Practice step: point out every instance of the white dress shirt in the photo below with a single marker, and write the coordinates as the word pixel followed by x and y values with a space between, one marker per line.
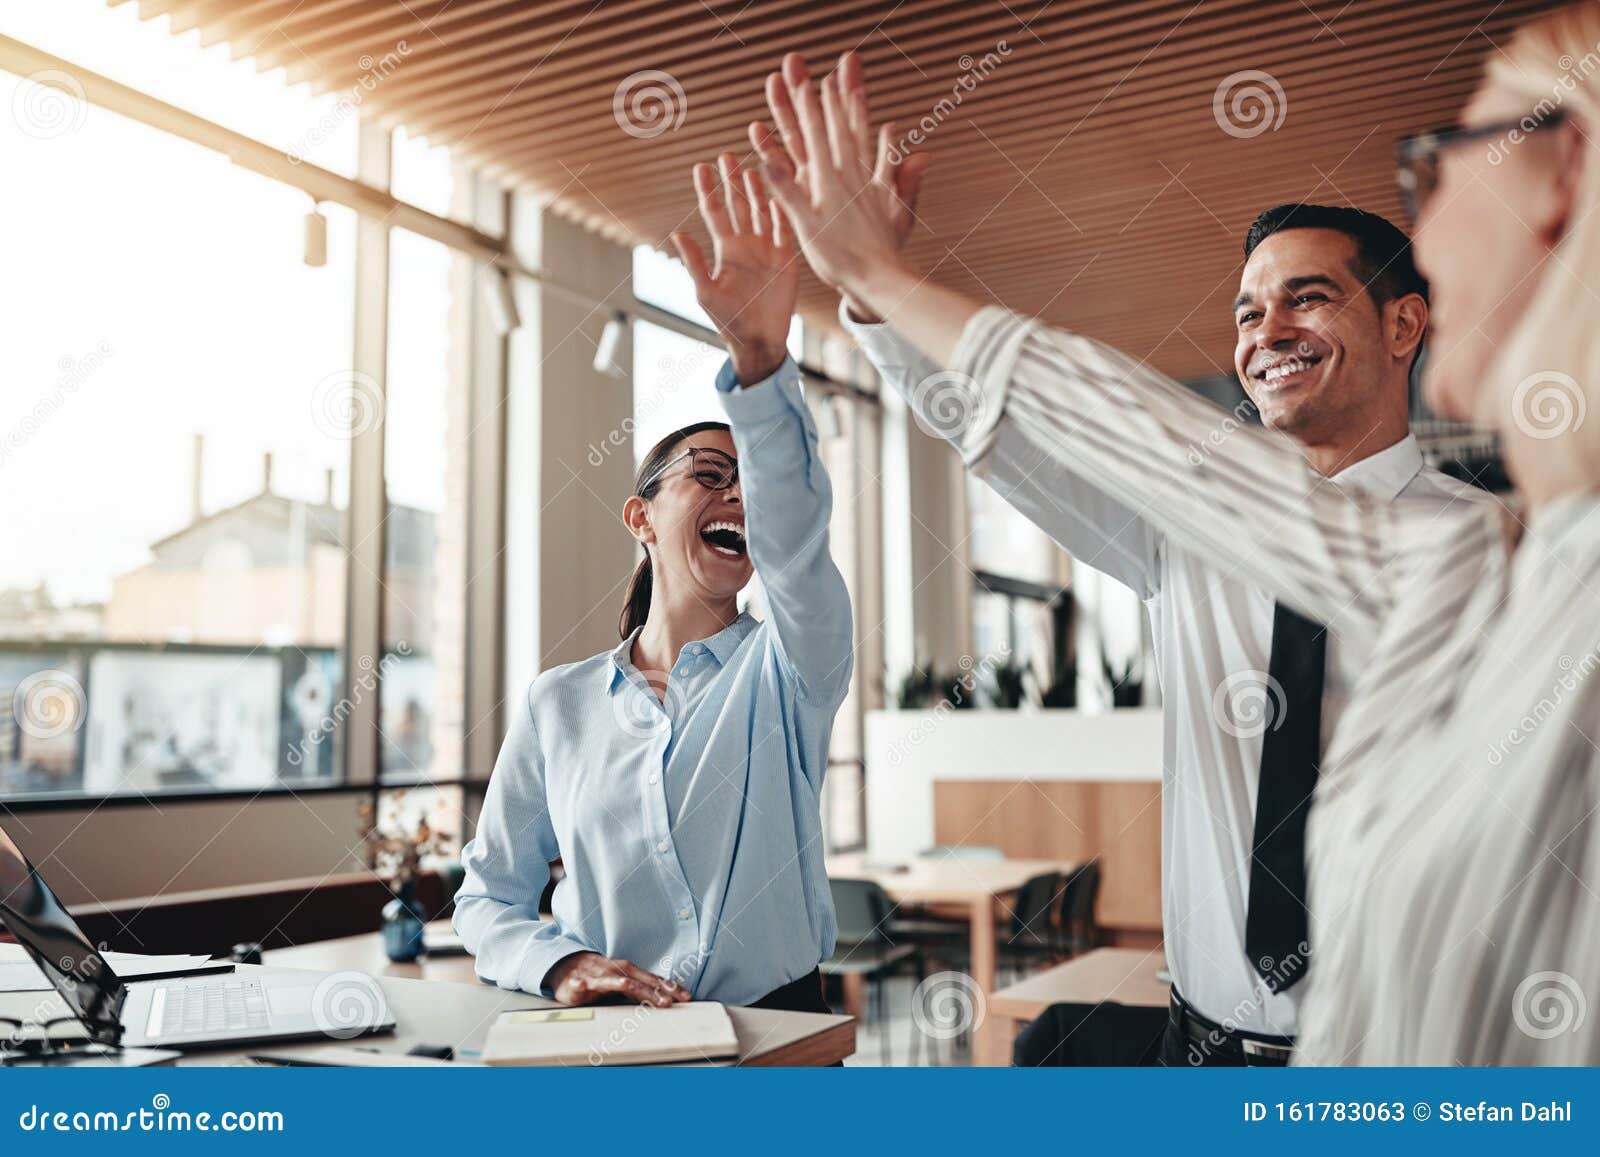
pixel 1453 846
pixel 1212 629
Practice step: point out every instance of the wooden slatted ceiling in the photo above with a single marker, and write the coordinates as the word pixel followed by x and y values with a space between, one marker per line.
pixel 1085 178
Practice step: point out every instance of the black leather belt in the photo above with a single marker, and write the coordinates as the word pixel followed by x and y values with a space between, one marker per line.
pixel 1218 1045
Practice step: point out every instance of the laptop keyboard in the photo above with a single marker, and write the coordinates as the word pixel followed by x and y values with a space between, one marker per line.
pixel 225 1005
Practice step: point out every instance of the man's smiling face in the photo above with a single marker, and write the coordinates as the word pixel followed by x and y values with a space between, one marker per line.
pixel 1312 350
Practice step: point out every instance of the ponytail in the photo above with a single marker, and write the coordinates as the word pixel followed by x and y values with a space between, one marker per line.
pixel 645 484
pixel 636 609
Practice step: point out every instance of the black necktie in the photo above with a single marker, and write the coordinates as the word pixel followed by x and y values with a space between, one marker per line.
pixel 1275 926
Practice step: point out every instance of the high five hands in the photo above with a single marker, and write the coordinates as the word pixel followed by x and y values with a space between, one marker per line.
pixel 847 208
pixel 852 204
pixel 750 293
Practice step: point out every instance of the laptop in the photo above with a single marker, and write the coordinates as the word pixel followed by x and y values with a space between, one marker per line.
pixel 231 1009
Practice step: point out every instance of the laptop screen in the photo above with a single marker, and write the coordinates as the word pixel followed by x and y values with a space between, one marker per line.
pixel 30 911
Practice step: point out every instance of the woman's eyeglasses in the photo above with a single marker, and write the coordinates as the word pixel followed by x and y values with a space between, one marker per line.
pixel 711 468
pixel 1418 155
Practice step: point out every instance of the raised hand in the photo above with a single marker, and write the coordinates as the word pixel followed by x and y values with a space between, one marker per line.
pixel 894 172
pixel 585 977
pixel 850 218
pixel 750 293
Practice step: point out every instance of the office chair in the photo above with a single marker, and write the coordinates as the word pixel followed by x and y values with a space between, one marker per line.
pixel 1035 932
pixel 866 947
pixel 1078 931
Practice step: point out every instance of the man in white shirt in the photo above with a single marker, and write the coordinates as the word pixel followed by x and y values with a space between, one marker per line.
pixel 1330 317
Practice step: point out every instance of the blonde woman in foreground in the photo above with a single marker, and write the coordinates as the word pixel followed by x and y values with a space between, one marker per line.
pixel 1455 842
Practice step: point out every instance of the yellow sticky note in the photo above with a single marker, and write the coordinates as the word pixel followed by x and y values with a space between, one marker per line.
pixel 551 1015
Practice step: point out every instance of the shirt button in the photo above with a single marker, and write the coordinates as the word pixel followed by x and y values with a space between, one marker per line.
pixel 685 913
pixel 663 846
pixel 655 778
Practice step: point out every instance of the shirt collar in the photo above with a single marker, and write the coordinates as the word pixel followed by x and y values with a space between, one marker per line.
pixel 1384 474
pixel 721 647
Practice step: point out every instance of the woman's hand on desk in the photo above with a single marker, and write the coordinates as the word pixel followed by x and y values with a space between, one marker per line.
pixel 585 977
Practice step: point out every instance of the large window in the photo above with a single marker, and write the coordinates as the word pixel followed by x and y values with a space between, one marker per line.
pixel 422 689
pixel 176 441
pixel 172 592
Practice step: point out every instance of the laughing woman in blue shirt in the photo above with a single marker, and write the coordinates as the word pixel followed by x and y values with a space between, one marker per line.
pixel 678 777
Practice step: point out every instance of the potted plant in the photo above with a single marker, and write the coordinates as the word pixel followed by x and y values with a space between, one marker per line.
pixel 1126 682
pixel 396 846
pixel 1006 685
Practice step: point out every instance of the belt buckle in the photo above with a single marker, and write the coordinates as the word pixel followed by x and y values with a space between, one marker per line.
pixel 1262 1050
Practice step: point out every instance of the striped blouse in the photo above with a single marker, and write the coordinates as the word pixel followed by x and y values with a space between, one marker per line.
pixel 1454 845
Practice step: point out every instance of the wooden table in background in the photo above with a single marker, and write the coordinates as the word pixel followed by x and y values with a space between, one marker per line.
pixel 1124 975
pixel 980 886
pixel 439 1000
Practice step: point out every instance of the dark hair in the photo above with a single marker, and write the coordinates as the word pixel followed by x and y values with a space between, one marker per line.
pixel 636 608
pixel 1383 251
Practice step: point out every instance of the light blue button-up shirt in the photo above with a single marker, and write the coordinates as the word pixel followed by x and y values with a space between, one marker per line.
pixel 690 829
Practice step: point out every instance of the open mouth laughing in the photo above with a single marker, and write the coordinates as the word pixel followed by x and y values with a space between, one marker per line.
pixel 724 536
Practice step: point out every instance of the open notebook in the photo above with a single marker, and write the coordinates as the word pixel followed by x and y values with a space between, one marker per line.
pixel 612 1035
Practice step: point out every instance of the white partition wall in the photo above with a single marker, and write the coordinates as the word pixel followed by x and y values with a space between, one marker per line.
pixel 908 752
